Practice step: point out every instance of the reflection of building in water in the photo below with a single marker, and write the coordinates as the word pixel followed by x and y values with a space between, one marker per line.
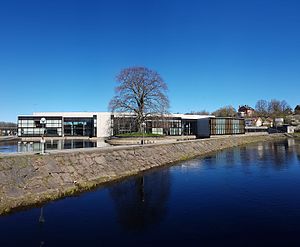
pixel 260 150
pixel 228 157
pixel 268 154
pixel 141 202
pixel 291 142
pixel 36 146
pixel 278 153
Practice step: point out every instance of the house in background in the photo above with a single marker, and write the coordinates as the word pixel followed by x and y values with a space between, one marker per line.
pixel 245 111
pixel 257 121
pixel 279 121
pixel 268 122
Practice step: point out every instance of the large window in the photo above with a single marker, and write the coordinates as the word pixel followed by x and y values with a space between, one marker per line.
pixel 156 125
pixel 31 126
pixel 123 124
pixel 227 126
pixel 79 127
pixel 165 125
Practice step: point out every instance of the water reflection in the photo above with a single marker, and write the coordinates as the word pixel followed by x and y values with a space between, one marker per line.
pixel 36 146
pixel 278 154
pixel 41 226
pixel 142 201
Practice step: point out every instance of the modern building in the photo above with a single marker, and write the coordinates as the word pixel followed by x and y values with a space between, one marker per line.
pixel 63 124
pixel 220 126
pixel 104 124
pixel 170 124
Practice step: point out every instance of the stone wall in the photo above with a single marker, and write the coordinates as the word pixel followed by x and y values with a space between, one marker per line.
pixel 27 179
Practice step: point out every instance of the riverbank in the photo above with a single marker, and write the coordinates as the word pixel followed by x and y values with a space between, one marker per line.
pixel 9 138
pixel 148 140
pixel 296 135
pixel 27 179
pixel 58 138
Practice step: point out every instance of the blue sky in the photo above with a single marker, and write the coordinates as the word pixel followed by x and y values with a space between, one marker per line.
pixel 64 55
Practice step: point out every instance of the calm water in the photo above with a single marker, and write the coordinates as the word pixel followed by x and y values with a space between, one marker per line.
pixel 18 146
pixel 247 196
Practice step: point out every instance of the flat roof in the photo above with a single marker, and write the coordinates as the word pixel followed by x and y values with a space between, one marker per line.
pixel 186 116
pixel 89 114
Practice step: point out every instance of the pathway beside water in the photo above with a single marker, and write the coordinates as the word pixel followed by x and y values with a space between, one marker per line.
pixel 244 196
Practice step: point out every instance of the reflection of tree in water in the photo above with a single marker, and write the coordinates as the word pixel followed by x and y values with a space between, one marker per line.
pixel 142 201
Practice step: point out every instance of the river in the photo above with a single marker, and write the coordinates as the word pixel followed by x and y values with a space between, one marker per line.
pixel 245 196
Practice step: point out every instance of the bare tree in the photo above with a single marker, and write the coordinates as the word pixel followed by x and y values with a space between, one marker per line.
pixel 202 112
pixel 285 108
pixel 297 109
pixel 226 111
pixel 278 108
pixel 140 91
pixel 8 124
pixel 274 107
pixel 261 108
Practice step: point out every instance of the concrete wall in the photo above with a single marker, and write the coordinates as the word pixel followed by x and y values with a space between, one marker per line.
pixel 103 124
pixel 29 179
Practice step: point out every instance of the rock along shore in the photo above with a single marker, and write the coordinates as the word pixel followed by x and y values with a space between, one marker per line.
pixel 28 179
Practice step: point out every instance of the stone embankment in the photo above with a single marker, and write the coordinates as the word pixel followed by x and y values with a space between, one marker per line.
pixel 27 179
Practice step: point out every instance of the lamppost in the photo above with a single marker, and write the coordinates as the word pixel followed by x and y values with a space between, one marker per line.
pixel 43 124
pixel 143 128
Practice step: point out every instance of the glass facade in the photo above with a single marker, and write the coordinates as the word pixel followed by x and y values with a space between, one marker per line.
pixel 227 126
pixel 79 127
pixel 59 126
pixel 31 126
pixel 123 124
pixel 155 125
pixel 165 126
pixel 189 126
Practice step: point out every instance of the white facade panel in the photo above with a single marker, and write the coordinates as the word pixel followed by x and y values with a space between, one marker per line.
pixel 103 124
